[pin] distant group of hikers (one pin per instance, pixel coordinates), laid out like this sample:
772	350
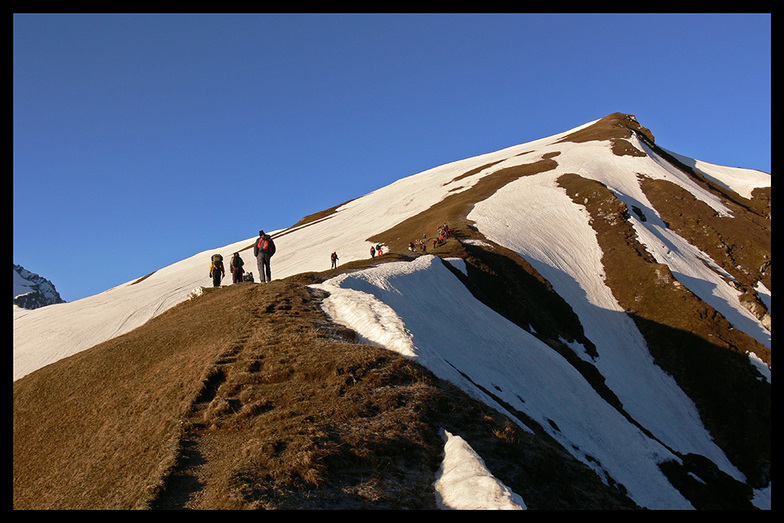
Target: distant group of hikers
442	234
263	250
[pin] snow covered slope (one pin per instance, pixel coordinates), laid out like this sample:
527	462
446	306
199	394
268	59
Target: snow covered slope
553	232
422	310
47	335
463	341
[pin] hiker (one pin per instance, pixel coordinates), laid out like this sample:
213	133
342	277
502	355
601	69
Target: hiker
216	270
235	266
334	258
263	250
372	251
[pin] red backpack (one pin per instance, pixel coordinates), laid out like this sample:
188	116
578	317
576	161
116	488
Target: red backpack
265	244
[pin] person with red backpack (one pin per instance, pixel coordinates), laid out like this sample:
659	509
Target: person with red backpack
263	249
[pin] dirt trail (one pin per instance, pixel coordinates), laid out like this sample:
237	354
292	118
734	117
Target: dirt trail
185	482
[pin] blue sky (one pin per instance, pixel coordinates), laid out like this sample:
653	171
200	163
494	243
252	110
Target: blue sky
140	140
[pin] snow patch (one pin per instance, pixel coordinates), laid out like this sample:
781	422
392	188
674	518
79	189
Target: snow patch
464	483
195	293
742	181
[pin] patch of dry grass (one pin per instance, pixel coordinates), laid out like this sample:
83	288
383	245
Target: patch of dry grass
98	429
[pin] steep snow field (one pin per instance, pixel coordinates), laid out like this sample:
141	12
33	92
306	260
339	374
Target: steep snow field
422	311
535	218
742	181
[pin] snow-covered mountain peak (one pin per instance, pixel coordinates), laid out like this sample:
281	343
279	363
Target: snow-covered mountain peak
32	291
594	286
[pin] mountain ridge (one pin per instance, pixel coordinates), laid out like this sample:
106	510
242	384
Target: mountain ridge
232	398
640	281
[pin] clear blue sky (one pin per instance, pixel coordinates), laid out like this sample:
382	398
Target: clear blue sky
140	140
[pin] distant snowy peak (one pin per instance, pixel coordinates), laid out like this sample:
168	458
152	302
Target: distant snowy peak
32	291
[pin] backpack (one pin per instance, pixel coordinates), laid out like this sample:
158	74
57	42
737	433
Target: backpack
216	263
266	244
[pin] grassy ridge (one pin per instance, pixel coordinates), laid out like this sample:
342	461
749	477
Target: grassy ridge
99	429
248	397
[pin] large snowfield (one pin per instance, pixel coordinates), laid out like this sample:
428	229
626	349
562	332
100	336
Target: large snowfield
422	310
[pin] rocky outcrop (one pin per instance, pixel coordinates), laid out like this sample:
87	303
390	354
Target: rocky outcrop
32	291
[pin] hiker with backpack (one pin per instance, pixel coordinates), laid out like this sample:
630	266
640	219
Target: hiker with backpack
334	258
235	265
263	249
217	272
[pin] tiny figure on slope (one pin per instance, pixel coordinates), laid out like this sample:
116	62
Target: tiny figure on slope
334	258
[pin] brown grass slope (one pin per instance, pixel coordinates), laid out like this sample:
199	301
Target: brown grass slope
248	397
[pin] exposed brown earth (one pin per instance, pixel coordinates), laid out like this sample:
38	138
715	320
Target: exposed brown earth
686	337
741	244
